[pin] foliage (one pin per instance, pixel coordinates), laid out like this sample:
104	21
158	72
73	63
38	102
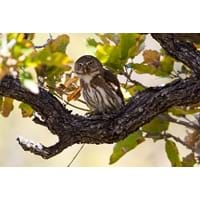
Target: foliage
118	52
48	65
172	153
124	146
51	67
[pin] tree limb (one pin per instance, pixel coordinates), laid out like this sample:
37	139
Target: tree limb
98	129
182	50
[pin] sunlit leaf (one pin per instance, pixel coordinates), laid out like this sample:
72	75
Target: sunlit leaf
107	53
157	125
7	106
172	153
124	146
21	48
116	49
26	110
126	45
189	160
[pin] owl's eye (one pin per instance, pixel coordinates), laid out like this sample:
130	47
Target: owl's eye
80	64
90	62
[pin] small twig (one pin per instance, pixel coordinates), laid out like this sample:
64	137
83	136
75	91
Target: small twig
44	45
83	109
127	80
75	156
131	80
189	124
179	140
50	36
66	102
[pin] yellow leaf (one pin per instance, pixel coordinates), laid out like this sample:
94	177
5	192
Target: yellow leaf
7	106
74	95
26	110
70	81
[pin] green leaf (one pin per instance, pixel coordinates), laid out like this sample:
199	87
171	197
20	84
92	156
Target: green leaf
189	160
157	125
59	44
144	69
167	65
7	106
92	42
22	46
172	153
11	36
116	49
110	56
134	89
26	110
127	40
181	111
124	146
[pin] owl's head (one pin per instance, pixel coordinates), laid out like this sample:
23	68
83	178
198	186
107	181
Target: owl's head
87	65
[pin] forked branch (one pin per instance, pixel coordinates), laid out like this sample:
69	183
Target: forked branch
98	129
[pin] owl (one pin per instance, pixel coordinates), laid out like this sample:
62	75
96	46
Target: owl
100	87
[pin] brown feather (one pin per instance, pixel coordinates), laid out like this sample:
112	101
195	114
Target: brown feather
111	78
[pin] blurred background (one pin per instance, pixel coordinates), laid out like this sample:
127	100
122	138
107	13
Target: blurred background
11	154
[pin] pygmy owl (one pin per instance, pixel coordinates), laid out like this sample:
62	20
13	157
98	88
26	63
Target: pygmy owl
100	87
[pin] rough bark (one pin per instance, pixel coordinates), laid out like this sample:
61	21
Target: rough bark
141	108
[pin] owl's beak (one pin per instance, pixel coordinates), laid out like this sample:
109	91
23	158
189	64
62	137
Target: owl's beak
86	69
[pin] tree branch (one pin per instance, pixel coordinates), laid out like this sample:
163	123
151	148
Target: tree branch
182	50
98	129
73	129
190	125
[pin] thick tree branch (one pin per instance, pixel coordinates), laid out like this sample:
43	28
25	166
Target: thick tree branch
143	107
182	50
72	129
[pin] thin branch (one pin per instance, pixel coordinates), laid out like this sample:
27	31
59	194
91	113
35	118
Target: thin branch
181	50
75	156
179	140
113	127
45	44
188	124
67	103
63	92
128	76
